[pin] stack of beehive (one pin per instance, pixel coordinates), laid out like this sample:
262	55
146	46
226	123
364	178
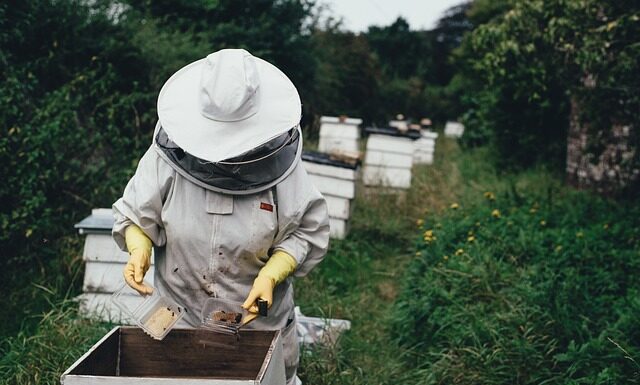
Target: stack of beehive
389	157
339	134
453	129
424	147
336	180
104	263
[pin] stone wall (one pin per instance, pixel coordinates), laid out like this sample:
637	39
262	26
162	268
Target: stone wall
604	164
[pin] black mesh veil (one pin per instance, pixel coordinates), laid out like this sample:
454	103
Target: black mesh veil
250	171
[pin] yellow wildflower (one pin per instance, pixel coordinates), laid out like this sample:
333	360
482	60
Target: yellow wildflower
429	237
471	238
459	252
454	206
418	253
543	223
446	257
419	222
495	213
490	196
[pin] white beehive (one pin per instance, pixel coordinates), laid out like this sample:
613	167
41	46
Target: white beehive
453	129
339	134
389	158
336	180
424	147
104	264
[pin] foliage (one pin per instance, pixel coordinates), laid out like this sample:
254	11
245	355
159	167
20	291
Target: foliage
522	101
526	64
416	66
347	74
528	287
70	121
598	41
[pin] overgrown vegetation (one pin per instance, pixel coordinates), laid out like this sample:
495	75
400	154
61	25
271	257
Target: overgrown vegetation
525	65
535	285
40	356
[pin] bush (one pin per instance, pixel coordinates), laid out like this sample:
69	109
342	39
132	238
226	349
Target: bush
526	64
525	289
522	100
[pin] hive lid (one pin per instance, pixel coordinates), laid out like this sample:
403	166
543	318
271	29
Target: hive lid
341	119
391	131
100	221
322	158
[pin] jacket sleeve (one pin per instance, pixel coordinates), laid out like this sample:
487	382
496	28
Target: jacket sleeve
306	232
142	200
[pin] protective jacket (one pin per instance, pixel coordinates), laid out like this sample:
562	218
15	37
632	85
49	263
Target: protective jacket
211	244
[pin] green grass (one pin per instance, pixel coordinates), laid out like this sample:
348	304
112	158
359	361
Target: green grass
39	355
400	332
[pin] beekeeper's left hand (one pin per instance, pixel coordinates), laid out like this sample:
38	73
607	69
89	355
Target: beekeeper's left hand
276	270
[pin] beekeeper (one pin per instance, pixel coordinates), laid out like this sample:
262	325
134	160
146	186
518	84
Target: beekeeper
222	195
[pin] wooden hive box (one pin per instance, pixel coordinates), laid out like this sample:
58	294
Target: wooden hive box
126	355
104	263
336	180
339	134
453	129
389	157
424	147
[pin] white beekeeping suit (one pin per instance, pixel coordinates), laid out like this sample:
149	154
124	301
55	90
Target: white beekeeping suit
216	214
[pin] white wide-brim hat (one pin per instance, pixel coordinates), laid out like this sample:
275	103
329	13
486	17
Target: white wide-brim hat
226	104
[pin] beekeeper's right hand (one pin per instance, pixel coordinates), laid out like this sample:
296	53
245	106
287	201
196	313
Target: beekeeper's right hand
139	247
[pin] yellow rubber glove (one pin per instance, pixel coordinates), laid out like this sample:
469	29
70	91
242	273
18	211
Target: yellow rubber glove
277	268
139	246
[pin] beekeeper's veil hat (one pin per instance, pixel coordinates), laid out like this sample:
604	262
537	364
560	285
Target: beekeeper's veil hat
227	104
230	122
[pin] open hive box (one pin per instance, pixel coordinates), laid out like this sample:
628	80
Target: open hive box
186	356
